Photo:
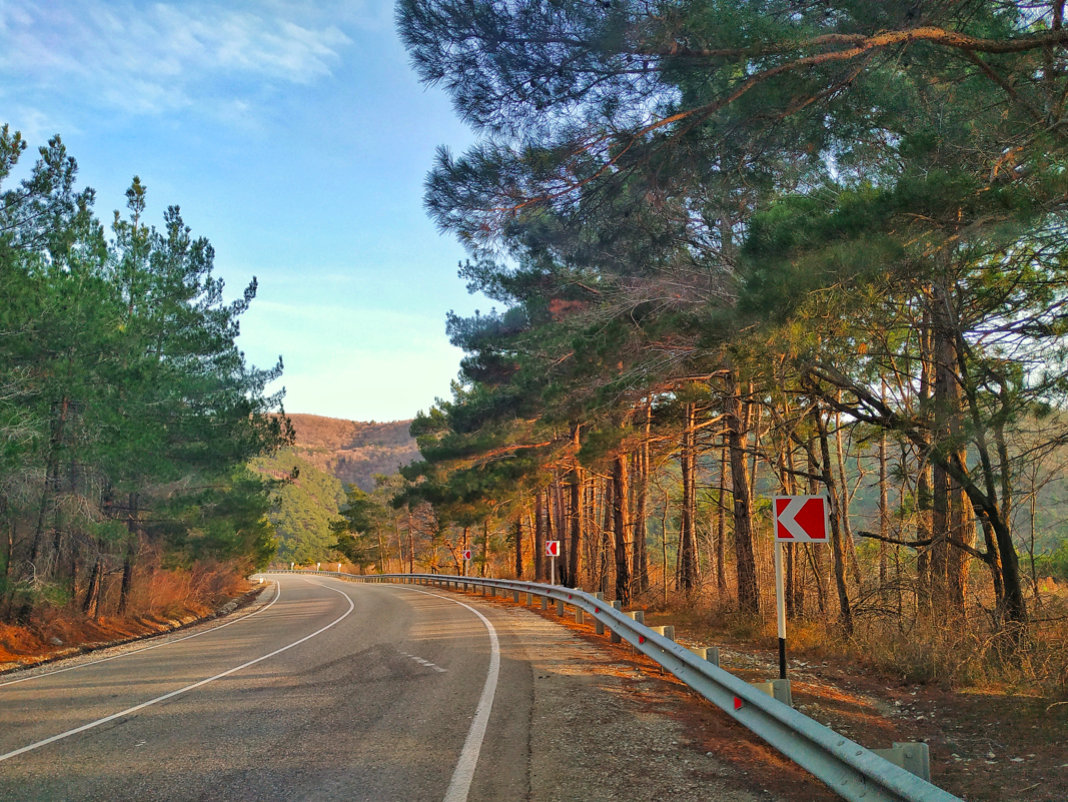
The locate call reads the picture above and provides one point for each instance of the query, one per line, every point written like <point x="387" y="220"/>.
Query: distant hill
<point x="353" y="451"/>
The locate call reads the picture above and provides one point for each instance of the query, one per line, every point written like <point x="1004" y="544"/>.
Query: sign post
<point x="552" y="550"/>
<point x="798" y="519"/>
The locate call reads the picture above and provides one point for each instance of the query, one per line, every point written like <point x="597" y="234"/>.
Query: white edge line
<point x="277" y="594"/>
<point x="460" y="785"/>
<point x="180" y="691"/>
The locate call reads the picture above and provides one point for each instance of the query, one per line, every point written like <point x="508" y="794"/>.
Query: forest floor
<point x="55" y="634"/>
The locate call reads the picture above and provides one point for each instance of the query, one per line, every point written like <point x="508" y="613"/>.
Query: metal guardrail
<point x="849" y="769"/>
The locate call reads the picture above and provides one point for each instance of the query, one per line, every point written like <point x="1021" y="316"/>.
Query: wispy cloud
<point x="164" y="56"/>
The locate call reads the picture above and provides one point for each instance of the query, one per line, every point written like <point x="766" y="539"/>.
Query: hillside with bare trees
<point x="353" y="451"/>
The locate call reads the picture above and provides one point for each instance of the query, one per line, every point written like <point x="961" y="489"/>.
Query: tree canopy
<point x="817" y="218"/>
<point x="127" y="411"/>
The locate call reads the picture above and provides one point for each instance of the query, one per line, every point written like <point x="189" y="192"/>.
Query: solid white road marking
<point x="180" y="691"/>
<point x="277" y="593"/>
<point x="460" y="786"/>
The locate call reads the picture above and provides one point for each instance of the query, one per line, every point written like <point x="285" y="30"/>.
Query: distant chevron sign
<point x="801" y="519"/>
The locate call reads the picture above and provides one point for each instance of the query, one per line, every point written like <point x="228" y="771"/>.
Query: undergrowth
<point x="950" y="651"/>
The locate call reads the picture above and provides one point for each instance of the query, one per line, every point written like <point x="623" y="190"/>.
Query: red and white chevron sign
<point x="802" y="519"/>
<point x="552" y="548"/>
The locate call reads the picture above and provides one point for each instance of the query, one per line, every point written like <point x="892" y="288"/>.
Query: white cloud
<point x="166" y="56"/>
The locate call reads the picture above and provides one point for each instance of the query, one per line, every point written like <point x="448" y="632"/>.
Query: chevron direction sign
<point x="801" y="519"/>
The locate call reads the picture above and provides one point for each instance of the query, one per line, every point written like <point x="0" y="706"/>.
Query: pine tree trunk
<point x="745" y="560"/>
<point x="884" y="505"/>
<point x="844" y="608"/>
<point x="539" y="538"/>
<point x="561" y="533"/>
<point x="485" y="548"/>
<point x="687" y="571"/>
<point x="92" y="594"/>
<point x="621" y="525"/>
<point x="721" y="524"/>
<point x="641" y="514"/>
<point x="606" y="529"/>
<point x="575" y="511"/>
<point x="847" y="529"/>
<point x="518" y="547"/>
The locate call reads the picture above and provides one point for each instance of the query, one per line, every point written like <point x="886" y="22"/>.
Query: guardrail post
<point x="914" y="757"/>
<point x="545" y="602"/>
<point x="777" y="689"/>
<point x="709" y="653"/>
<point x="560" y="607"/>
<point x="614" y="637"/>
<point x="598" y="626"/>
<point x="515" y="596"/>
<point x="578" y="615"/>
<point x="530" y="600"/>
<point x="493" y="591"/>
<point x="667" y="631"/>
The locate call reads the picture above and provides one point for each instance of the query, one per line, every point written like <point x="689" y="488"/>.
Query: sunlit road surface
<point x="334" y="691"/>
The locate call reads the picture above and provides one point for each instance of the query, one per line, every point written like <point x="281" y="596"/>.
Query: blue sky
<point x="295" y="137"/>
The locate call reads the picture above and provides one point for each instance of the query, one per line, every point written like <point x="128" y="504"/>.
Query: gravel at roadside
<point x="604" y="731"/>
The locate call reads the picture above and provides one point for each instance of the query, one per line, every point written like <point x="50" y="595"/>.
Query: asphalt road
<point x="334" y="690"/>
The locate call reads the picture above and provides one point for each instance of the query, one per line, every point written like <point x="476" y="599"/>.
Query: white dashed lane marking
<point x="423" y="662"/>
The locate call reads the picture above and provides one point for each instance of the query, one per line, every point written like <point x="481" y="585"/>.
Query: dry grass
<point x="949" y="652"/>
<point x="159" y="598"/>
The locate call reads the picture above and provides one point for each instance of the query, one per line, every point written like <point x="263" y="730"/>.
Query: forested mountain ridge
<point x="351" y="450"/>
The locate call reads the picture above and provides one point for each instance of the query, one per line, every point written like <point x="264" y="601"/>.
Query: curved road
<point x="334" y="690"/>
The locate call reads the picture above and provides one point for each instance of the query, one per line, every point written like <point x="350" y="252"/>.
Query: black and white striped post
<point x="798" y="519"/>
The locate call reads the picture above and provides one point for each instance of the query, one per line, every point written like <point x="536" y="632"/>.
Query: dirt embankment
<point x="61" y="634"/>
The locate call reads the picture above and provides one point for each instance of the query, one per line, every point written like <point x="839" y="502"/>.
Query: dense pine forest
<point x="127" y="413"/>
<point x="752" y="248"/>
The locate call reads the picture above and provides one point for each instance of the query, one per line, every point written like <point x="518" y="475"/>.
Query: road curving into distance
<point x="333" y="690"/>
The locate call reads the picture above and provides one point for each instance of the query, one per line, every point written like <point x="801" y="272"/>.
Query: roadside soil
<point x="21" y="647"/>
<point x="985" y="747"/>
